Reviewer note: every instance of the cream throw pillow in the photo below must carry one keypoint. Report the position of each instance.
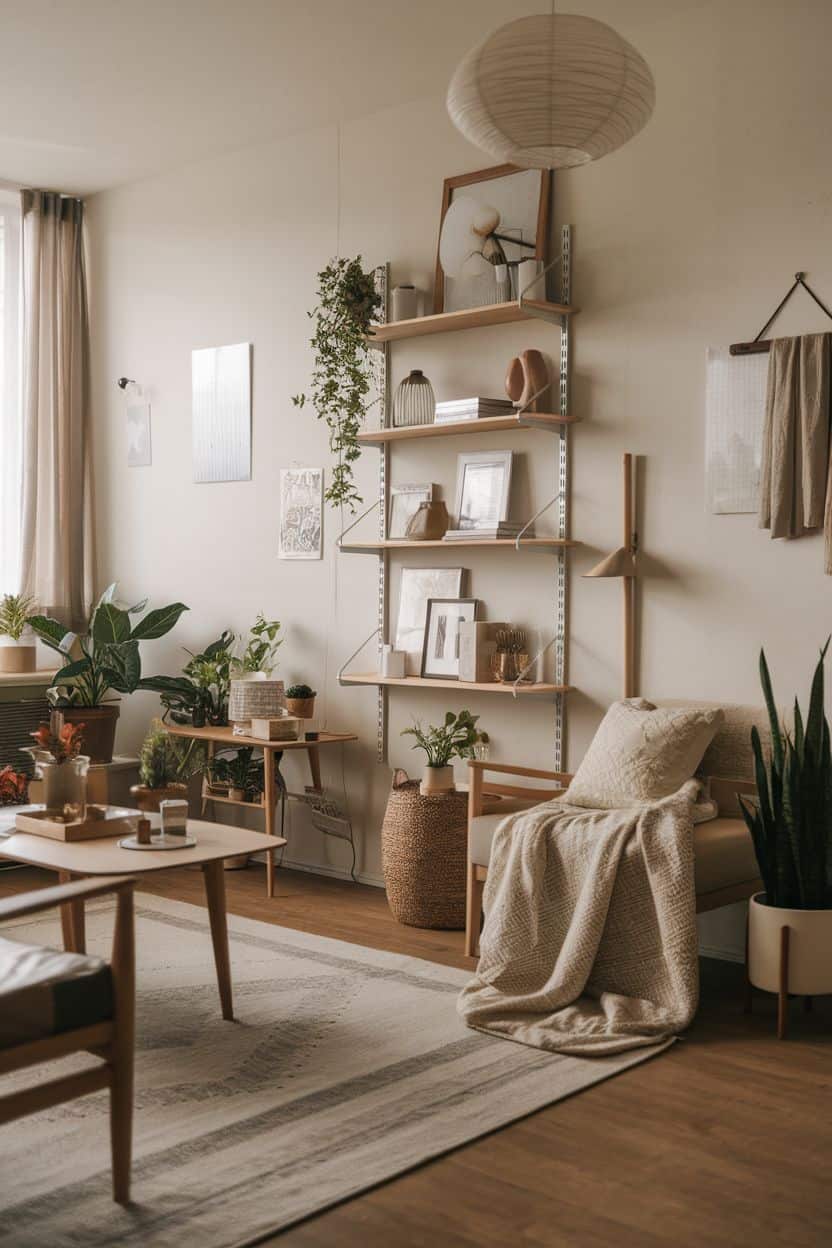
(641, 753)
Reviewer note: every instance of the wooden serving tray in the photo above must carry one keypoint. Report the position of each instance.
(117, 821)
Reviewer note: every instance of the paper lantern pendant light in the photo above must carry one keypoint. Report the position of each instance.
(550, 91)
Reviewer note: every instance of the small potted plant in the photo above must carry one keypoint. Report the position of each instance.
(166, 764)
(300, 701)
(14, 787)
(61, 766)
(245, 775)
(104, 658)
(790, 924)
(18, 650)
(456, 738)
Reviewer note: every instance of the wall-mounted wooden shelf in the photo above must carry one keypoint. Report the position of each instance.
(487, 424)
(394, 543)
(470, 318)
(424, 682)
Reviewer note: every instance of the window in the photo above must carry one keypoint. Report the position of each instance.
(11, 420)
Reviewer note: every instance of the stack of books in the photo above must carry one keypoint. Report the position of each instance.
(471, 409)
(505, 528)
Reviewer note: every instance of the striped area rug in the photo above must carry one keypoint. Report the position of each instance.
(345, 1067)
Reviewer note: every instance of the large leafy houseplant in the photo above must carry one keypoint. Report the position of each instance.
(200, 695)
(791, 823)
(342, 375)
(455, 738)
(106, 657)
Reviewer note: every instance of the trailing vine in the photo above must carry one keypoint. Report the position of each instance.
(343, 372)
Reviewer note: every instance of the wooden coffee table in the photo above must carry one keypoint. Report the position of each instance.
(215, 842)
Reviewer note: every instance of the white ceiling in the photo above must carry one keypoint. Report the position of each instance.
(94, 93)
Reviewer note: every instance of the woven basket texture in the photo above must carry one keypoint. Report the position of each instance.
(423, 853)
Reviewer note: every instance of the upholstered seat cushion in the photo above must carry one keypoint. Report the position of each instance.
(43, 992)
(723, 850)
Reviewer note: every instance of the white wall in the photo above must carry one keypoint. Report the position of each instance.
(686, 237)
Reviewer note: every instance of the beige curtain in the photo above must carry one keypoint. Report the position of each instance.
(56, 531)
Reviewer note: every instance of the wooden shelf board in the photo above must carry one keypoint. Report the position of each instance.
(487, 424)
(469, 318)
(534, 543)
(423, 682)
(232, 801)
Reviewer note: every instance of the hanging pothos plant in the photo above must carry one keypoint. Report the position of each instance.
(342, 377)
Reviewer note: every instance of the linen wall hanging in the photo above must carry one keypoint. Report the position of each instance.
(301, 507)
(735, 401)
(221, 413)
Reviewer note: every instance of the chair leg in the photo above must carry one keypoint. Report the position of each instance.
(123, 1048)
(473, 911)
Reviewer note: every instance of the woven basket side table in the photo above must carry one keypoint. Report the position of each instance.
(423, 853)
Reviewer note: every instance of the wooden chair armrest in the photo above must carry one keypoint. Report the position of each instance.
(477, 764)
(46, 898)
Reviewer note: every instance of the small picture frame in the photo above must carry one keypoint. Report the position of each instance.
(483, 482)
(440, 651)
(416, 587)
(404, 503)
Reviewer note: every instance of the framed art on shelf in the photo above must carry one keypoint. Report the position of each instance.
(404, 503)
(483, 481)
(417, 587)
(440, 651)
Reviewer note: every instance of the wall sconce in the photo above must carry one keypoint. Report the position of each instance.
(622, 564)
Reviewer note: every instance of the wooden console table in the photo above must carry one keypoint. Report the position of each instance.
(226, 738)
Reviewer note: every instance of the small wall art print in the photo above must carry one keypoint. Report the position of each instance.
(301, 513)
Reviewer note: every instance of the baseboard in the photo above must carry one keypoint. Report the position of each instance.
(721, 954)
(314, 868)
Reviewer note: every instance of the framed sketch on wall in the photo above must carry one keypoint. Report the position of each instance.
(440, 651)
(490, 221)
(417, 586)
(301, 513)
(221, 413)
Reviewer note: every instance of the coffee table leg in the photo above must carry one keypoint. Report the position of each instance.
(268, 785)
(215, 894)
(73, 927)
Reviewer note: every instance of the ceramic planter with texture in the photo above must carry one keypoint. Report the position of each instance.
(17, 656)
(809, 953)
(437, 780)
(303, 708)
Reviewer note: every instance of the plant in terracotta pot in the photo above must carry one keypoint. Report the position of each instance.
(17, 646)
(104, 658)
(300, 701)
(790, 924)
(166, 764)
(456, 738)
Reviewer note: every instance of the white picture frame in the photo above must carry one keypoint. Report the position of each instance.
(301, 513)
(221, 413)
(405, 501)
(483, 484)
(440, 649)
(416, 587)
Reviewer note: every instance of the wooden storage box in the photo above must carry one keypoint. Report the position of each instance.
(286, 728)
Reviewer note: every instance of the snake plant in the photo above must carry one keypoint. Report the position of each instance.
(791, 824)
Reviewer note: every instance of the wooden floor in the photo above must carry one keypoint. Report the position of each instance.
(724, 1141)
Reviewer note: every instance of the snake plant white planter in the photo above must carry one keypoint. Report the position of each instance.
(789, 951)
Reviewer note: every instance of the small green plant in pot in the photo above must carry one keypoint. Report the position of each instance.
(790, 924)
(18, 651)
(166, 764)
(300, 701)
(244, 772)
(456, 738)
(105, 659)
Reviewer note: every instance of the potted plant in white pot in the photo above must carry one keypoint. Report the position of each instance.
(790, 924)
(456, 738)
(18, 650)
(104, 658)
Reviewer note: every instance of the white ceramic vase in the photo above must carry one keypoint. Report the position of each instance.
(809, 950)
(437, 780)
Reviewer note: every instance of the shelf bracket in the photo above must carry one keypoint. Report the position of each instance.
(340, 541)
(344, 679)
(557, 639)
(531, 308)
(518, 539)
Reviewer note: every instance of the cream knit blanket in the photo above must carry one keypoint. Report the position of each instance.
(589, 943)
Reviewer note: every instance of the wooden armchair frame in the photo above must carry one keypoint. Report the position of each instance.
(724, 792)
(113, 1041)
